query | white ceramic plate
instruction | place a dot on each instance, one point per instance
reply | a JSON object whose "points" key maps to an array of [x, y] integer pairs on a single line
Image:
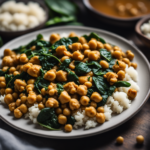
{"points": [[143, 69]]}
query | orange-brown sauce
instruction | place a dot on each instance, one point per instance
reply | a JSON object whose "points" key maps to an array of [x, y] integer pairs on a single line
{"points": [[122, 8]]}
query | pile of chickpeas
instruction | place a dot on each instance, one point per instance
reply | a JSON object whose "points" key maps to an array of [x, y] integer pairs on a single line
{"points": [[74, 97]]}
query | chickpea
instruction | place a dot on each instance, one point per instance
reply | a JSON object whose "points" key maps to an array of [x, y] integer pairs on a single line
{"points": [[93, 104], [134, 65], [2, 82], [78, 56], [117, 54], [83, 79], [62, 119], [132, 93], [67, 53], [23, 58], [107, 46], [12, 106], [50, 75], [23, 99], [34, 71], [29, 88], [85, 60], [12, 69], [72, 65], [120, 140], [140, 139], [25, 67], [8, 99], [54, 38], [66, 112], [92, 44], [90, 111], [88, 84], [15, 73], [31, 81], [5, 68], [2, 91], [39, 98], [116, 48], [64, 57], [121, 75], [74, 104], [119, 66], [23, 108], [68, 127], [64, 97], [33, 48], [52, 103], [61, 76], [7, 52], [99, 45], [19, 85], [60, 50], [35, 60], [96, 97], [134, 11], [8, 91], [84, 100], [15, 95], [104, 64], [86, 52], [90, 74], [58, 111], [43, 91], [75, 96], [100, 118], [82, 90], [22, 94], [82, 40], [18, 102], [94, 55], [111, 77], [17, 113], [100, 110], [130, 55], [76, 46], [85, 46], [126, 60], [31, 98], [73, 34], [71, 87], [7, 61]]}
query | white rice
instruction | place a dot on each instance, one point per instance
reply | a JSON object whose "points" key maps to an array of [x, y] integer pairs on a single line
{"points": [[145, 28], [2, 99]]}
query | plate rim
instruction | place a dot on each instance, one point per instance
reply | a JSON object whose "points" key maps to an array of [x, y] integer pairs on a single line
{"points": [[88, 134]]}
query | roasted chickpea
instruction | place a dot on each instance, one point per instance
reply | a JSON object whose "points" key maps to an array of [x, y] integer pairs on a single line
{"points": [[64, 57], [121, 75], [78, 55], [12, 69], [2, 82], [43, 91], [94, 55], [88, 84], [71, 87], [85, 60], [34, 71], [92, 44], [8, 99], [12, 106], [117, 54], [35, 60], [68, 127], [93, 104], [19, 85], [23, 99], [58, 111], [64, 97], [66, 112], [85, 46], [100, 110], [134, 65], [72, 65], [54, 38], [18, 102], [83, 79], [31, 81], [96, 97], [7, 52], [25, 67], [23, 58], [119, 65], [111, 77], [100, 118], [73, 34], [23, 108], [2, 91], [8, 91], [120, 140], [67, 53], [104, 64], [5, 68], [52, 103], [50, 75], [74, 104], [84, 100], [91, 74], [86, 52], [90, 111], [130, 55], [39, 98], [31, 98], [62, 119], [76, 46], [17, 113], [15, 95], [7, 61], [33, 48], [60, 50], [140, 139], [61, 76], [107, 46], [15, 73], [132, 93], [82, 90], [134, 11], [99, 45], [29, 87], [82, 40], [126, 60]]}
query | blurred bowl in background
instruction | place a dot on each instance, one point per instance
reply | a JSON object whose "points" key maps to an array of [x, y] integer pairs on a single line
{"points": [[143, 38], [12, 34], [120, 22]]}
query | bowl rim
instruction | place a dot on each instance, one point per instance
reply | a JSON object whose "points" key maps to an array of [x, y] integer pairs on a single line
{"points": [[89, 6], [41, 3], [138, 27]]}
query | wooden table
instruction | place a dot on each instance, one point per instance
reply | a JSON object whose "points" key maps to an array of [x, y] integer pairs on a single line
{"points": [[139, 124]]}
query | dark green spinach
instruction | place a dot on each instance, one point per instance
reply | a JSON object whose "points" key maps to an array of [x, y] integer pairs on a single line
{"points": [[122, 84], [71, 120], [65, 64], [105, 54]]}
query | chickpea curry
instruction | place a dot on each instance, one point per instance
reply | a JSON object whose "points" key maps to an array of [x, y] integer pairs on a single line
{"points": [[123, 8], [63, 75]]}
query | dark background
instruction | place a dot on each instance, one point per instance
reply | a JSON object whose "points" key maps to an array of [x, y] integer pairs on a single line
{"points": [[139, 124]]}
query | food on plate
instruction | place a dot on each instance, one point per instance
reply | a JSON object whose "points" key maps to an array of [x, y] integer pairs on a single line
{"points": [[120, 140], [123, 8], [70, 81], [145, 28], [16, 16], [140, 139]]}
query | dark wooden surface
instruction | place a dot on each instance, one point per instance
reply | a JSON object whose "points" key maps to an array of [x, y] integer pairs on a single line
{"points": [[139, 124]]}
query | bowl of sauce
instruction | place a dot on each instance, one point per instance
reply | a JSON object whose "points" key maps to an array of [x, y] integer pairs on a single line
{"points": [[123, 13]]}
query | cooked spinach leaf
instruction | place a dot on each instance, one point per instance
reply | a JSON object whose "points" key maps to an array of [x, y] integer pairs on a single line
{"points": [[1, 42], [71, 120], [122, 84], [60, 88], [111, 89], [111, 63], [47, 126], [75, 23], [103, 102], [105, 54], [91, 90], [65, 64]]}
